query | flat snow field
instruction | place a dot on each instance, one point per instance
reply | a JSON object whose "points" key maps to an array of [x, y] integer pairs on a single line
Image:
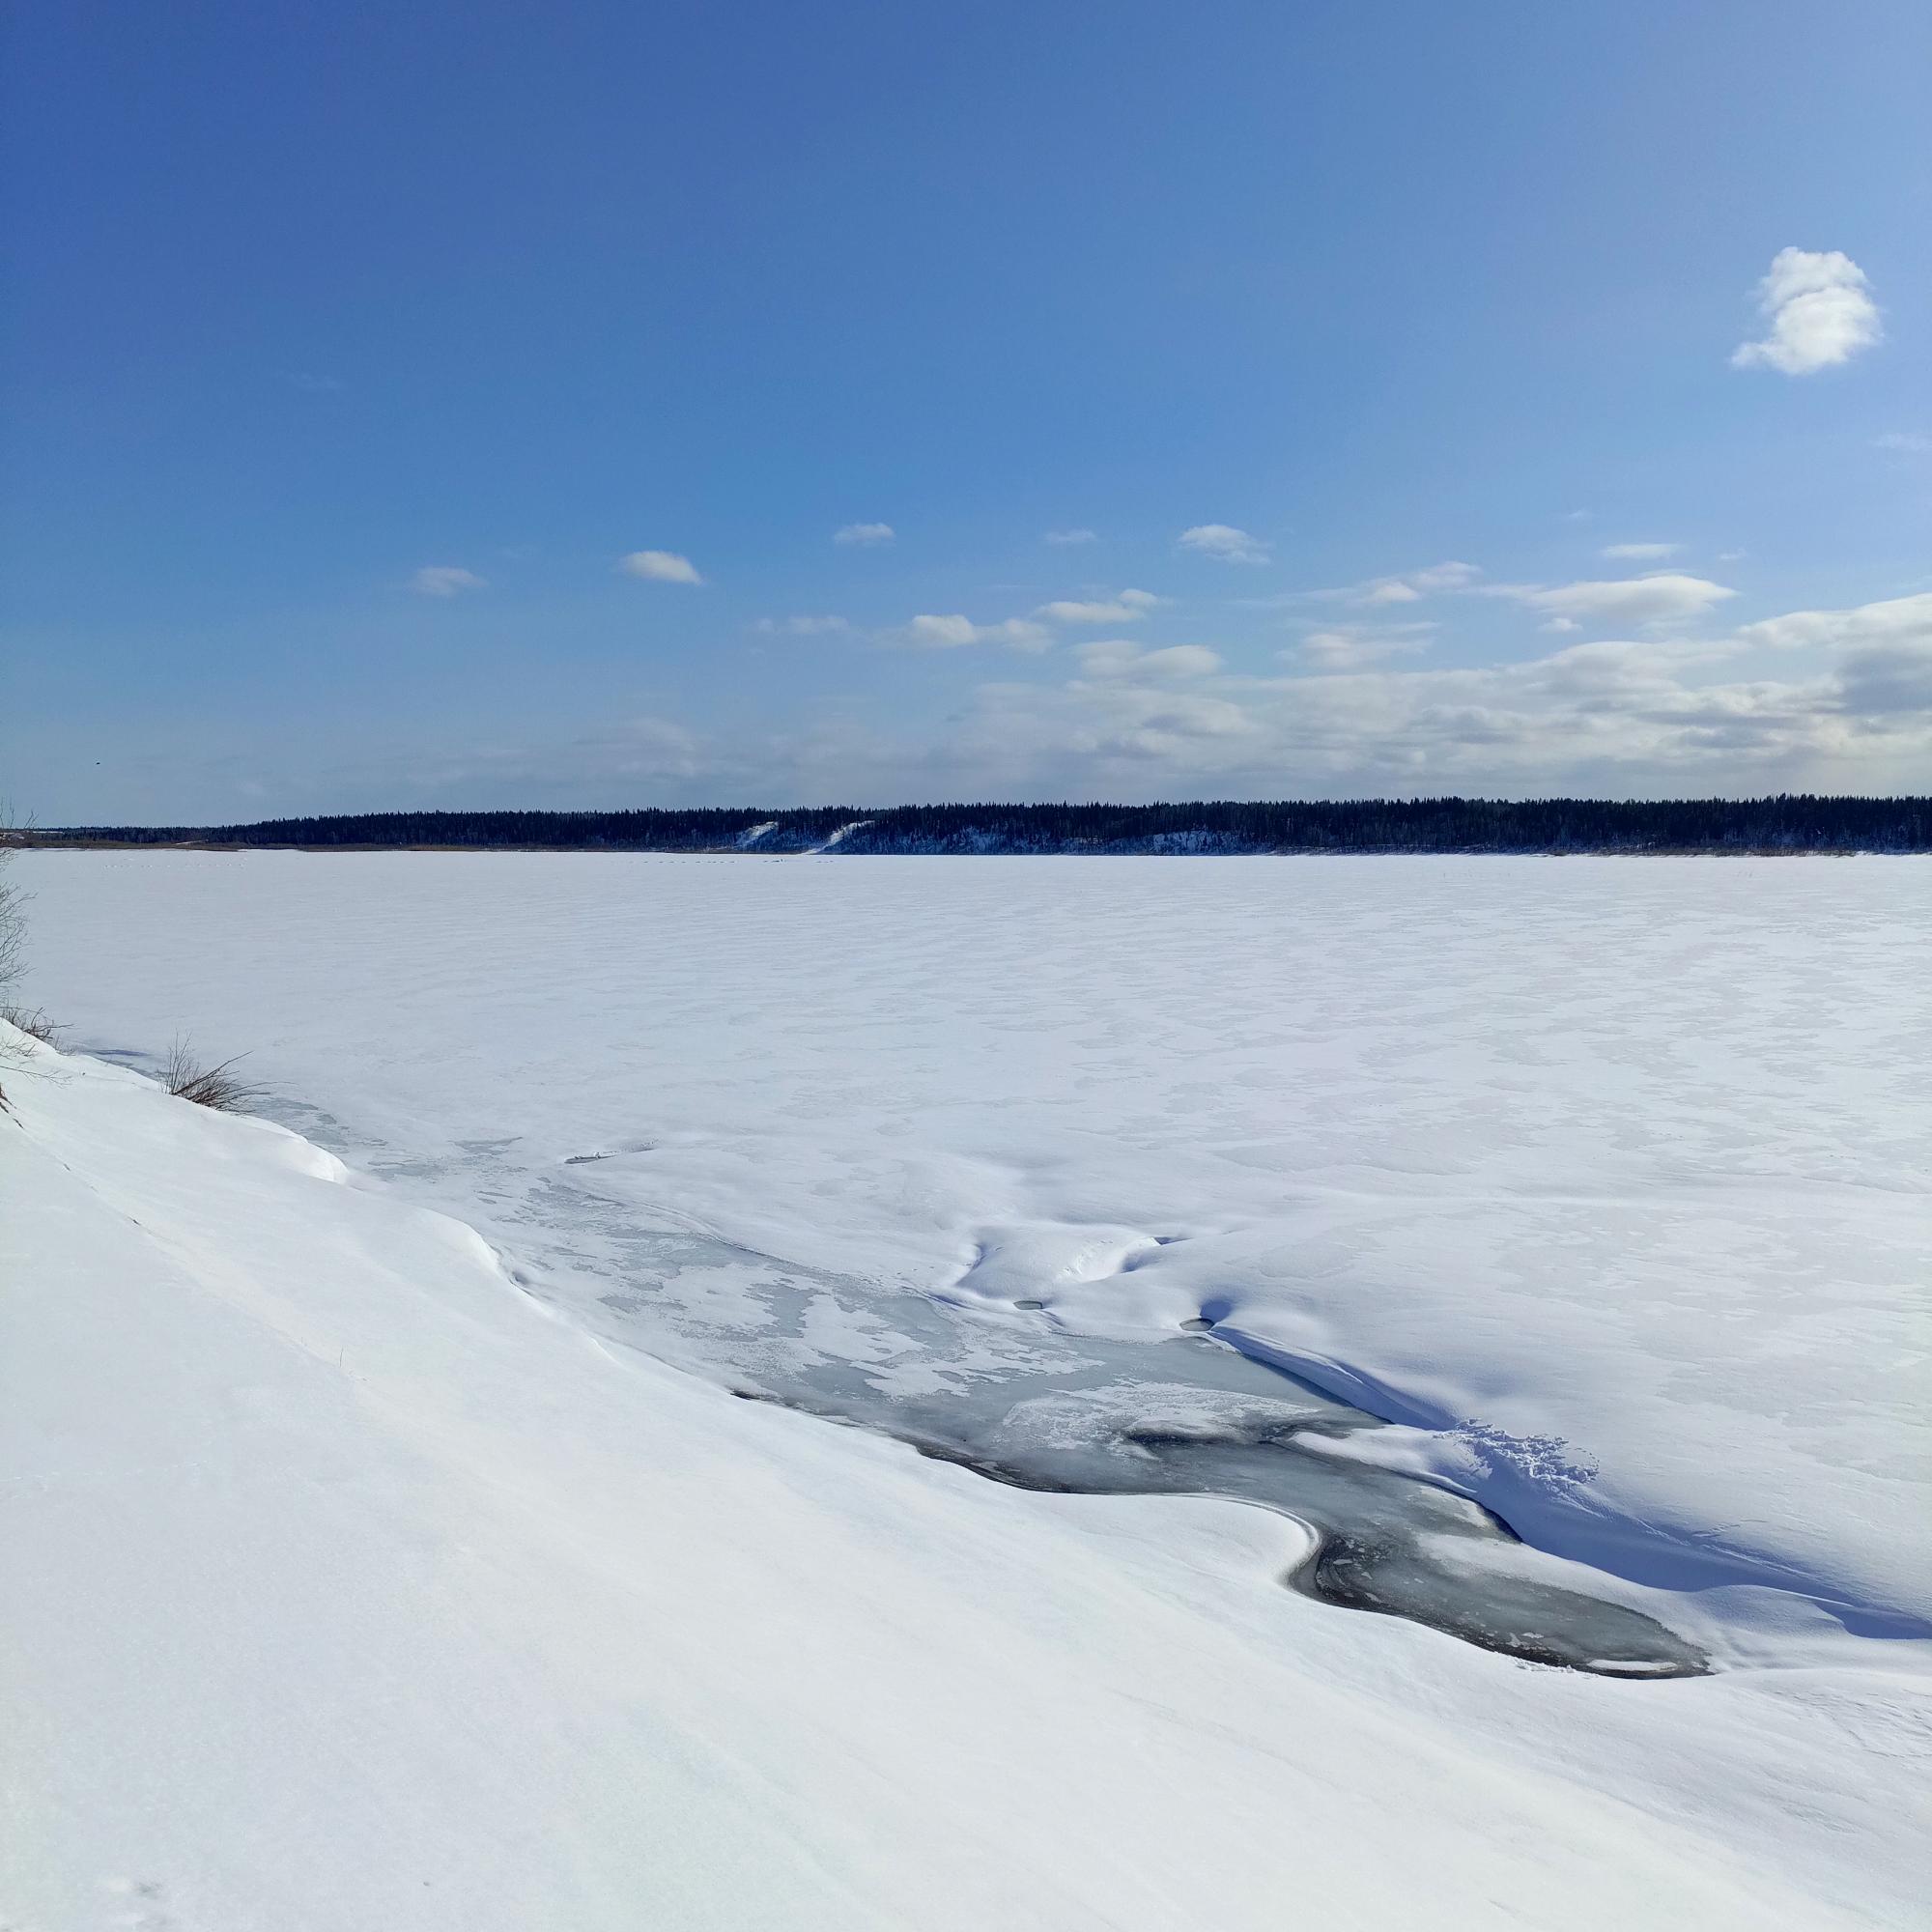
{"points": [[355, 1578]]}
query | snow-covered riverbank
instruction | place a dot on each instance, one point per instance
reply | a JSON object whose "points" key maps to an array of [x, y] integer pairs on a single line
{"points": [[349, 1586]]}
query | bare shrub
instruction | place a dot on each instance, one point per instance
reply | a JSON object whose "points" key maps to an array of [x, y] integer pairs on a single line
{"points": [[12, 933], [33, 1020], [218, 1086]]}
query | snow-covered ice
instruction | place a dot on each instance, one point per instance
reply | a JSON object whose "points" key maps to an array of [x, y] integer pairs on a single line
{"points": [[1603, 1179], [1611, 1173]]}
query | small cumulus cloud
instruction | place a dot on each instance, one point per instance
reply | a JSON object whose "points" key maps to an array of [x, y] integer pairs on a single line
{"points": [[864, 536], [1410, 587], [1118, 657], [1661, 597], [446, 579], [1904, 443], [1820, 312], [659, 566], [1226, 543], [1126, 607], [934, 633], [1638, 553], [1074, 536], [1450, 576], [931, 633]]}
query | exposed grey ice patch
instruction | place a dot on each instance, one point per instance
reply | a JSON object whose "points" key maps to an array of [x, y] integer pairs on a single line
{"points": [[1030, 1404]]}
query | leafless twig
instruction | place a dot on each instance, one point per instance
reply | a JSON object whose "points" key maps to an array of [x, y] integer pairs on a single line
{"points": [[218, 1086]]}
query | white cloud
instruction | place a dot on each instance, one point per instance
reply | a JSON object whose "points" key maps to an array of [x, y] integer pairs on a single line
{"points": [[1661, 597], [800, 627], [1887, 667], [1620, 717], [1076, 537], [1451, 575], [1225, 542], [1352, 647], [1410, 587], [1819, 311], [1638, 553], [1904, 443], [1116, 657], [1880, 683], [864, 536], [659, 566], [1657, 719], [942, 632], [1125, 607], [1018, 634], [952, 633], [446, 579], [1882, 625]]}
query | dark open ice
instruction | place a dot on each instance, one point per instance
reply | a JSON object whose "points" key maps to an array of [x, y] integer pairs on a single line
{"points": [[1017, 1398]]}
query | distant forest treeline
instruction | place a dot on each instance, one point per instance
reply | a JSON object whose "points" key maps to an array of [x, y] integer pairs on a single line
{"points": [[1784, 824]]}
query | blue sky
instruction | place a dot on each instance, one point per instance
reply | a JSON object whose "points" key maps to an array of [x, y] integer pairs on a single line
{"points": [[351, 353]]}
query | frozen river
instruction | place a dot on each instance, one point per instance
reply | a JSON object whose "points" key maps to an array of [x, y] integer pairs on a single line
{"points": [[1415, 1198]]}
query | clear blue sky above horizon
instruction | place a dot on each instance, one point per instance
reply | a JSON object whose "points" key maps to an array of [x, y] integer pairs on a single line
{"points": [[378, 381]]}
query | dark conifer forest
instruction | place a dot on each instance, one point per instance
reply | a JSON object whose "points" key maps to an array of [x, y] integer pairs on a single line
{"points": [[1784, 824]]}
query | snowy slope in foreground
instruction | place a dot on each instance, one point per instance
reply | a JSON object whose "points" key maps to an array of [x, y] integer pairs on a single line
{"points": [[347, 1587]]}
